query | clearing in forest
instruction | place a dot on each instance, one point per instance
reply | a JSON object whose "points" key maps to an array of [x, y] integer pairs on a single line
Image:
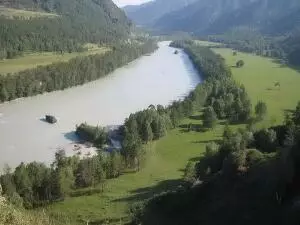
{"points": [[11, 13], [32, 60]]}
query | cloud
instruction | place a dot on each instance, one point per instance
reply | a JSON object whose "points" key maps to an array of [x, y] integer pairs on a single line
{"points": [[122, 3]]}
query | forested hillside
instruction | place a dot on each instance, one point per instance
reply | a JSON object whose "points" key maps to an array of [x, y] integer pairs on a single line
{"points": [[77, 22]]}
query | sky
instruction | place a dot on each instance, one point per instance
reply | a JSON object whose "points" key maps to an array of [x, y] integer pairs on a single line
{"points": [[122, 3]]}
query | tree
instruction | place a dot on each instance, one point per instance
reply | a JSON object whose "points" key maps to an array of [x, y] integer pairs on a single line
{"points": [[240, 63], [261, 110], [296, 115], [190, 172], [209, 118], [266, 140], [147, 132]]}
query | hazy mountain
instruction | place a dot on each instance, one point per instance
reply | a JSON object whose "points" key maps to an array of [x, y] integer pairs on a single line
{"points": [[217, 16], [148, 13]]}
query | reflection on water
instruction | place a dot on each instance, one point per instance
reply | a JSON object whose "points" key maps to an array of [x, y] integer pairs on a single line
{"points": [[156, 79]]}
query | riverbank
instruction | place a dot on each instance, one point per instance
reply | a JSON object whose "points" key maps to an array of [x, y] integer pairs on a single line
{"points": [[108, 101]]}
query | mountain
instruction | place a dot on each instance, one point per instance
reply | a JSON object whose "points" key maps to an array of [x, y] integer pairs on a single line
{"points": [[218, 16], [74, 23], [148, 13]]}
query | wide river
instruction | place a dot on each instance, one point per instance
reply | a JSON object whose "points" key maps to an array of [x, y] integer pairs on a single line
{"points": [[159, 78]]}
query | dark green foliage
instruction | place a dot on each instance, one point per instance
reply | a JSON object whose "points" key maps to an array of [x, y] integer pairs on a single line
{"points": [[261, 110], [296, 116], [63, 75], [266, 140], [240, 63], [96, 135], [35, 184], [189, 172], [209, 118]]}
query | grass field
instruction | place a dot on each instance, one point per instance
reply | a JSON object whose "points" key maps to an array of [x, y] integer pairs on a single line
{"points": [[23, 14], [207, 43], [33, 60], [259, 76], [168, 156], [163, 171]]}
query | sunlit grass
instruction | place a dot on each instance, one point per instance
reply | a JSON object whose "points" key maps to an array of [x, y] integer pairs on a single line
{"points": [[259, 76], [23, 14], [32, 60]]}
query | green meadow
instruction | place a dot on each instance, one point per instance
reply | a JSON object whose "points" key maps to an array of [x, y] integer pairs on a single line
{"points": [[23, 14], [32, 60], [168, 157], [259, 75]]}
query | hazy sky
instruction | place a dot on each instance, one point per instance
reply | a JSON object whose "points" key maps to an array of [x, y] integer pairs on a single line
{"points": [[129, 2]]}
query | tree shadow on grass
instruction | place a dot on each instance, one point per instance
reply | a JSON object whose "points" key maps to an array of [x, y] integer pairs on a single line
{"points": [[120, 220], [142, 194], [202, 142], [289, 111], [192, 127], [197, 117], [282, 64]]}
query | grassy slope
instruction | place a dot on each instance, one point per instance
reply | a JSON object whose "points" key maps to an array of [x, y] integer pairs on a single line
{"points": [[23, 14], [33, 60], [259, 75], [168, 156]]}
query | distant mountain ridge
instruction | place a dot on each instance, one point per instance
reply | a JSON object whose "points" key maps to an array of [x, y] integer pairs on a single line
{"points": [[148, 13], [217, 16]]}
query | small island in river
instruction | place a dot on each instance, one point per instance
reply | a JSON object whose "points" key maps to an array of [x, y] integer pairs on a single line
{"points": [[51, 119]]}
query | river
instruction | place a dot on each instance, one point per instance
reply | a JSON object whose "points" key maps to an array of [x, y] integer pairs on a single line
{"points": [[159, 78]]}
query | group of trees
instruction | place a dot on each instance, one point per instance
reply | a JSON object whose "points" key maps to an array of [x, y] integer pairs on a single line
{"points": [[227, 99], [96, 135], [249, 177], [76, 23], [77, 71], [219, 94], [35, 184]]}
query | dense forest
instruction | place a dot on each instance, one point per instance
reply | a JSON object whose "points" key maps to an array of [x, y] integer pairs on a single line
{"points": [[77, 22], [77, 71]]}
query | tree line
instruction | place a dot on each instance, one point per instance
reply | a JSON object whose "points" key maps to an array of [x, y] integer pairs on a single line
{"points": [[77, 71], [35, 184]]}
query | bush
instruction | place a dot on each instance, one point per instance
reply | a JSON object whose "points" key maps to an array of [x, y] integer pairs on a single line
{"points": [[240, 63]]}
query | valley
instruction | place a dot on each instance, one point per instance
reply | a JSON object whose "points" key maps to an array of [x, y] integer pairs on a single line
{"points": [[166, 112]]}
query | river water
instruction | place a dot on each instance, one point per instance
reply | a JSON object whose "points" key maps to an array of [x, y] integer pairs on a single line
{"points": [[159, 78]]}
